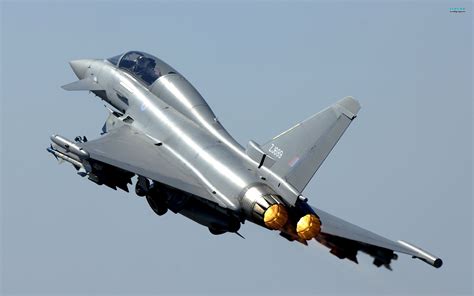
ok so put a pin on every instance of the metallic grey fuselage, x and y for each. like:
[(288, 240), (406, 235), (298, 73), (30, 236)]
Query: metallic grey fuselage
[(171, 112)]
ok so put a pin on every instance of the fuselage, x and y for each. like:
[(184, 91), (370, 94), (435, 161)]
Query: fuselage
[(194, 134), (171, 112)]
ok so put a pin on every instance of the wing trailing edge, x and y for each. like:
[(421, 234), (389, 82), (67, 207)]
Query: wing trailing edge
[(346, 239)]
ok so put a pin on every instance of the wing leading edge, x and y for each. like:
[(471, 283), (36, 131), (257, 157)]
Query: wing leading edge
[(346, 239)]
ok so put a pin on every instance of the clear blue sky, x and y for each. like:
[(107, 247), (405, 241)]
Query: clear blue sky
[(403, 169)]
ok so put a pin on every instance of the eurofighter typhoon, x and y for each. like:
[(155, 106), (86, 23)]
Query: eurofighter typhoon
[(161, 130)]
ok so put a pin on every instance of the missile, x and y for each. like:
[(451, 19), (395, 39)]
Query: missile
[(81, 169), (69, 146)]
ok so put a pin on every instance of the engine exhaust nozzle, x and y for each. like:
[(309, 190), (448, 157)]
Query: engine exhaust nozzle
[(276, 216), (308, 227)]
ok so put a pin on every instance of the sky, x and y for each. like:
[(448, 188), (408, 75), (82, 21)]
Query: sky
[(403, 169)]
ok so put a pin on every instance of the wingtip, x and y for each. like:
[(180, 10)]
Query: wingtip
[(438, 263), (421, 254)]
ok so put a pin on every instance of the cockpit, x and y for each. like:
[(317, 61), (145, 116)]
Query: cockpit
[(142, 65)]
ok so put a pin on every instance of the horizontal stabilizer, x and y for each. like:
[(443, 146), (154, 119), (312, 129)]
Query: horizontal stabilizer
[(83, 84)]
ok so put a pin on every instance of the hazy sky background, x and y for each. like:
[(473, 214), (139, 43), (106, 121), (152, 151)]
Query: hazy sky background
[(403, 169)]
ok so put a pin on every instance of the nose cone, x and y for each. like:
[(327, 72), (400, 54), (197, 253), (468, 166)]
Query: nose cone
[(80, 67)]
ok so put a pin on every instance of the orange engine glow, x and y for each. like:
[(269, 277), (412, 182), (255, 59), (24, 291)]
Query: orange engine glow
[(275, 217), (308, 227)]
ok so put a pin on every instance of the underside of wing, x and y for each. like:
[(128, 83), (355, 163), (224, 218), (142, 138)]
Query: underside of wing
[(345, 239), (134, 152)]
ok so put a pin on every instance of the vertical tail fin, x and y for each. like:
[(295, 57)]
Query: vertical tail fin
[(300, 151)]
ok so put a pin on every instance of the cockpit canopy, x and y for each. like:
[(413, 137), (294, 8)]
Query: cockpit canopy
[(142, 65)]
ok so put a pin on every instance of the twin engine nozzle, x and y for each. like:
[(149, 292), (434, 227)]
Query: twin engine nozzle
[(263, 205), (307, 227)]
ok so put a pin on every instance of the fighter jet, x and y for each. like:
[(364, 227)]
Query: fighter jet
[(161, 130)]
